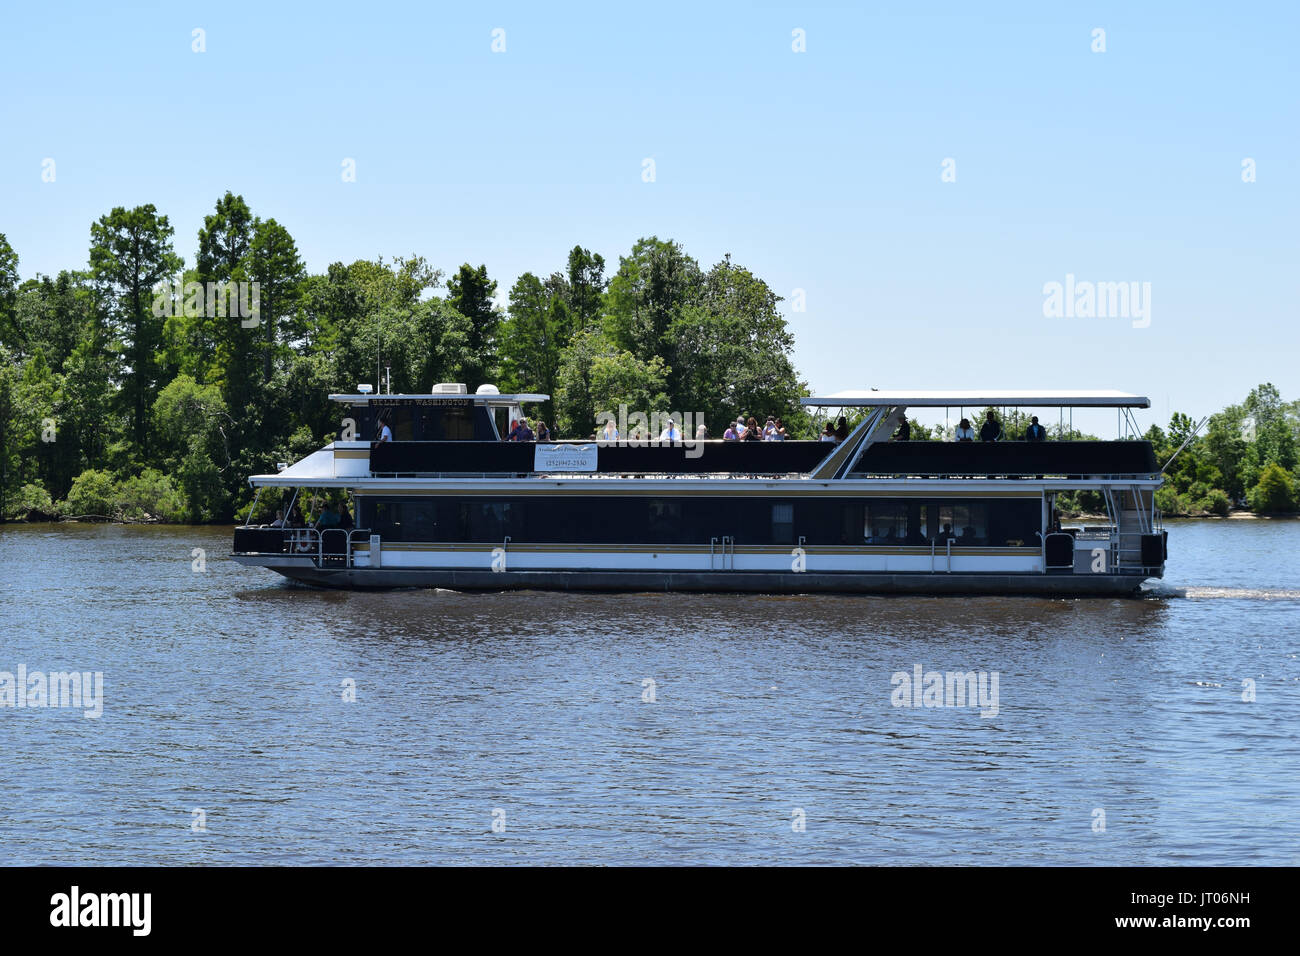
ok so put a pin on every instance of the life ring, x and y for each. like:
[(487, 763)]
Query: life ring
[(302, 544)]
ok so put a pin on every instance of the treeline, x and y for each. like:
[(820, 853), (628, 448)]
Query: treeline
[(120, 400), (1245, 457)]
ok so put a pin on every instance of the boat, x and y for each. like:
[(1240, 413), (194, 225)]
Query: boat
[(448, 502)]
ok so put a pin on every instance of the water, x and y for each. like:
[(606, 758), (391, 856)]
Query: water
[(224, 692)]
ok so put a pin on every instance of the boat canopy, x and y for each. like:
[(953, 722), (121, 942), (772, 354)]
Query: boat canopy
[(1039, 398), (491, 399)]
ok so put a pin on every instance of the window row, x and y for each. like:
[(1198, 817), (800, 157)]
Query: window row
[(696, 520)]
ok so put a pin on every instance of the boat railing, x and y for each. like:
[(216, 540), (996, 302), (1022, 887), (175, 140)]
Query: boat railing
[(325, 546)]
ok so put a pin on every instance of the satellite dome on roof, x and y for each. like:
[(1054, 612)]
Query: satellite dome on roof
[(487, 390)]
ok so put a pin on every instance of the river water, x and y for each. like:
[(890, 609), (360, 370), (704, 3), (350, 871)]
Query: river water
[(524, 727)]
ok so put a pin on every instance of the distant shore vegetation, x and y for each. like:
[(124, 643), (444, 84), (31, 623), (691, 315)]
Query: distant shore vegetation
[(128, 394)]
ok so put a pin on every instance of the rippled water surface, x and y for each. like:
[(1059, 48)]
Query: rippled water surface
[(224, 692)]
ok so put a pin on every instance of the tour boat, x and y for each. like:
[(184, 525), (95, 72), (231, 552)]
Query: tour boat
[(448, 503)]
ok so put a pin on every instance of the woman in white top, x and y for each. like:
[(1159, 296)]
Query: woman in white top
[(964, 431)]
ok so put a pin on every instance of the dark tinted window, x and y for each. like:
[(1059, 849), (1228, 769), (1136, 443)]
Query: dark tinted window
[(632, 519)]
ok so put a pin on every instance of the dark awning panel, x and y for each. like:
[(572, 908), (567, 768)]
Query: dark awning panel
[(1008, 458), (711, 457)]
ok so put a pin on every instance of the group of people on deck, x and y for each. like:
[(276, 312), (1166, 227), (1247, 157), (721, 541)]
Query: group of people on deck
[(329, 517), (747, 429), (991, 430), (521, 431)]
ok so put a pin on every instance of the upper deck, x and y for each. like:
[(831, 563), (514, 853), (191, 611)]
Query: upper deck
[(451, 434)]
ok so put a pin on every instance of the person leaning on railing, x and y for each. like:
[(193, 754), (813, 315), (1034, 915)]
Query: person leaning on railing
[(1035, 431)]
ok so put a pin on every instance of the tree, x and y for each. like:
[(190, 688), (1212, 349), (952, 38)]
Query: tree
[(733, 353), (193, 433), (652, 288), (85, 408), (1273, 493), (532, 339), (470, 292), (586, 290), (131, 253), (230, 349), (273, 263), (597, 376), (49, 315), (8, 290)]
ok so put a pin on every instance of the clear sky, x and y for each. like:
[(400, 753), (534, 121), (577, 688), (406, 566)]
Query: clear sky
[(819, 170)]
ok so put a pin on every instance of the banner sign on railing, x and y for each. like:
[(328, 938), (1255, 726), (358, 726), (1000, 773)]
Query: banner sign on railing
[(565, 458)]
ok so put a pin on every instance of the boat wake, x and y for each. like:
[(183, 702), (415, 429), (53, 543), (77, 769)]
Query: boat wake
[(1212, 593)]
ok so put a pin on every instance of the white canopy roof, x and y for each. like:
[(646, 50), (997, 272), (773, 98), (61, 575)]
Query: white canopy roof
[(487, 398), (1040, 398)]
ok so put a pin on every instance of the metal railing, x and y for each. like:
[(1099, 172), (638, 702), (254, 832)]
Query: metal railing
[(310, 542)]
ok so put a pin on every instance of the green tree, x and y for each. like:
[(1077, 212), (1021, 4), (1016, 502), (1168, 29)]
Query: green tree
[(273, 263), (1273, 493), (49, 315), (532, 339), (230, 348), (652, 288), (8, 291), (597, 376), (91, 496), (585, 290), (130, 254), (733, 353), (193, 431), (470, 292)]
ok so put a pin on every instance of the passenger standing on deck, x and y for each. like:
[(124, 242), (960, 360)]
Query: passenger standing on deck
[(841, 429), (904, 432), (752, 431), (828, 433), (964, 431), (991, 431), (385, 433), (610, 432), (524, 433), (543, 433), (671, 433), (730, 433), (1035, 431)]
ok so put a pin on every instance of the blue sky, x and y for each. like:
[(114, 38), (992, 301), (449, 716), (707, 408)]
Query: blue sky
[(819, 170)]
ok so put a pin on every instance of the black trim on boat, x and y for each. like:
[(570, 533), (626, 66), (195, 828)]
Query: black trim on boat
[(1008, 458), (501, 457)]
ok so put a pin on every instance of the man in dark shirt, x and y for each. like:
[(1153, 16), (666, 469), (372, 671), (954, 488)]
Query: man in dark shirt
[(525, 433), (1035, 431), (904, 432), (991, 431)]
